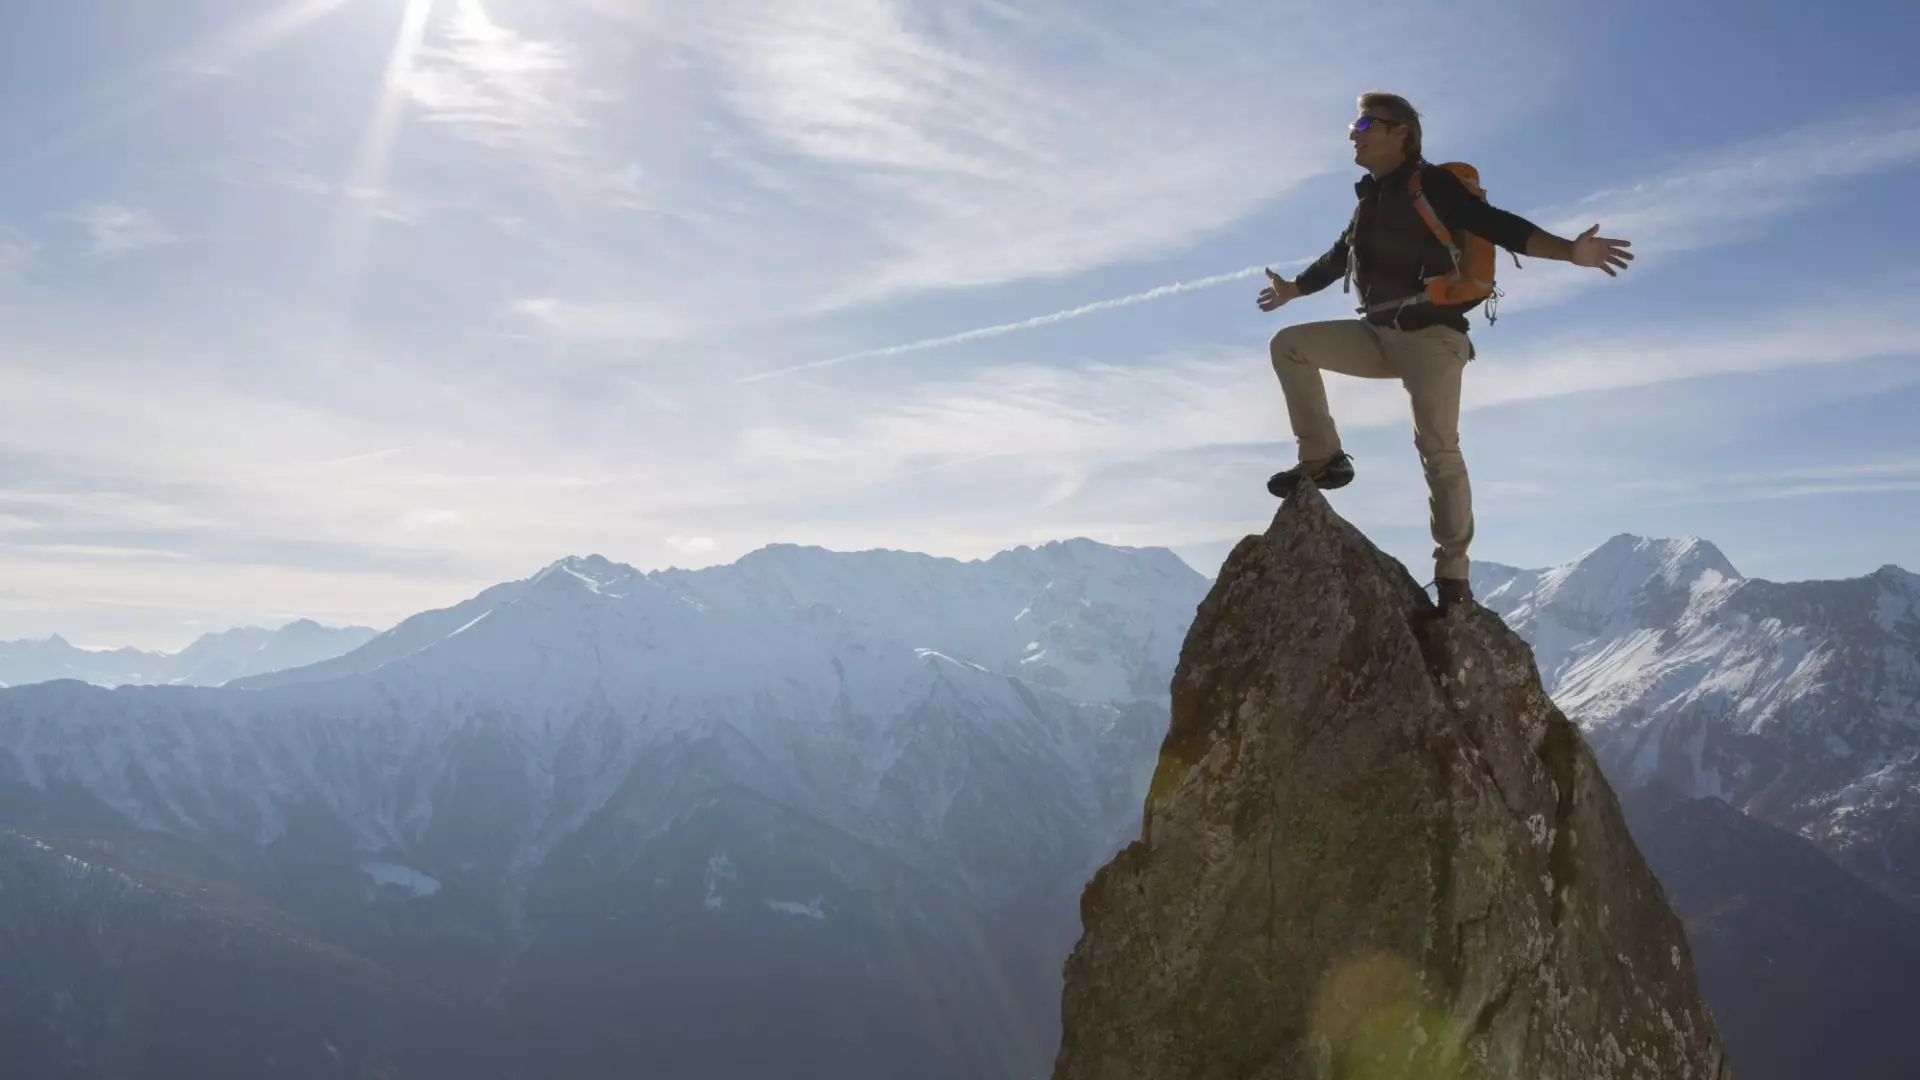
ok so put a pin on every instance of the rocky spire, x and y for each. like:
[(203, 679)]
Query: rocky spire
[(1373, 848)]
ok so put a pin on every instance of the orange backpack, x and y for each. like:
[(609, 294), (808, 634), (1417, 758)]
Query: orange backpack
[(1472, 276)]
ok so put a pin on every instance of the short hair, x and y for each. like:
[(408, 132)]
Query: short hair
[(1399, 110)]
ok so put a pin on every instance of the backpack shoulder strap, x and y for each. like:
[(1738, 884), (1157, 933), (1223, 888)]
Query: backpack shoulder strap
[(1351, 237), (1427, 214)]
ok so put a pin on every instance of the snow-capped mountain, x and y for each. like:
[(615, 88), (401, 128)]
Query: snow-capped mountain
[(899, 759), (1093, 622), (211, 660), (855, 685), (1799, 702)]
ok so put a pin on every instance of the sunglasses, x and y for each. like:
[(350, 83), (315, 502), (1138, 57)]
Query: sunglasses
[(1366, 122)]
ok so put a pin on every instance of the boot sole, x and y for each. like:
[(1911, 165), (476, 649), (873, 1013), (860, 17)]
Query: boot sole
[(1332, 483)]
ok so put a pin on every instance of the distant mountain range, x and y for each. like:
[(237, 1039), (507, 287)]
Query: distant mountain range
[(213, 659), (812, 814), (828, 814)]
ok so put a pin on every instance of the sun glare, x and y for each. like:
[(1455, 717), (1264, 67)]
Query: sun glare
[(368, 175), (266, 30)]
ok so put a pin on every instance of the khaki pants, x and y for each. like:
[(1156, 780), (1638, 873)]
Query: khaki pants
[(1428, 362)]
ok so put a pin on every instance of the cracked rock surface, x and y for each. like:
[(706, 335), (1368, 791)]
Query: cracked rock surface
[(1373, 849)]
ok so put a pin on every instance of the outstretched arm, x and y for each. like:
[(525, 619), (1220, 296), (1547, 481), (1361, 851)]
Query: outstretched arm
[(1586, 249), (1314, 278), (1325, 270), (1460, 210)]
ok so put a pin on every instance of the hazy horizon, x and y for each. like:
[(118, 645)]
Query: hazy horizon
[(1207, 568)]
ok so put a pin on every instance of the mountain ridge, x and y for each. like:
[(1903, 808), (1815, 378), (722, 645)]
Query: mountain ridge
[(209, 660), (1796, 701)]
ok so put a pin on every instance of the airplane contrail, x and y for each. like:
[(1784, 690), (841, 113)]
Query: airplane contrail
[(979, 333)]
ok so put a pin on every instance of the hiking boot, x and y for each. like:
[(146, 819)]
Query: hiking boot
[(1454, 592), (1334, 472)]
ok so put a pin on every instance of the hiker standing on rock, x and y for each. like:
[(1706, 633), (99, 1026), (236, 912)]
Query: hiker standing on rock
[(1420, 250)]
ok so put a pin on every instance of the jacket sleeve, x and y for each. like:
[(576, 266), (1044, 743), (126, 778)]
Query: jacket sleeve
[(1325, 270), (1461, 211)]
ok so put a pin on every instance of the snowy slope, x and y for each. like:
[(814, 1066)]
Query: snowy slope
[(1093, 622), (409, 636), (1797, 702), (211, 660)]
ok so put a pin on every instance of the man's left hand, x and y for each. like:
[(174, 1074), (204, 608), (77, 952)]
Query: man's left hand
[(1591, 250)]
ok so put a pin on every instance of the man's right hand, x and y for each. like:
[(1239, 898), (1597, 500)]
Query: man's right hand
[(1277, 292)]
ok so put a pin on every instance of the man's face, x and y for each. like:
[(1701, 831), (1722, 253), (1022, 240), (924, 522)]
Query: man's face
[(1377, 140)]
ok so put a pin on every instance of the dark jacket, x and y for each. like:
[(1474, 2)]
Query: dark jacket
[(1394, 253)]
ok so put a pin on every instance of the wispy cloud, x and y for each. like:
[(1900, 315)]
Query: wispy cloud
[(1224, 398), (1718, 199), (1832, 478), (832, 156), (605, 323), (117, 229), (427, 517), (1697, 348), (1694, 204), (1001, 329), (362, 459), (1722, 197), (954, 165), (350, 490), (497, 87), (104, 551)]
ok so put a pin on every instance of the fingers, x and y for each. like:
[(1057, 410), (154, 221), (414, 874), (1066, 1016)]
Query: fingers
[(1603, 252)]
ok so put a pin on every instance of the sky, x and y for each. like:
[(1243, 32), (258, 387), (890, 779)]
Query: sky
[(347, 309)]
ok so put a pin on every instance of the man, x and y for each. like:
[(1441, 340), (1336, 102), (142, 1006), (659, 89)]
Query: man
[(1390, 252)]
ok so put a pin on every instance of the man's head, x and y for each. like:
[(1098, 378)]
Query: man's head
[(1386, 133)]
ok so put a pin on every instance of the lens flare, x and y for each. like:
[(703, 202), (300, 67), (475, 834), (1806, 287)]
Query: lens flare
[(367, 178)]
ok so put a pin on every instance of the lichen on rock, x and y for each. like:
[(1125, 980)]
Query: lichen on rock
[(1373, 848)]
